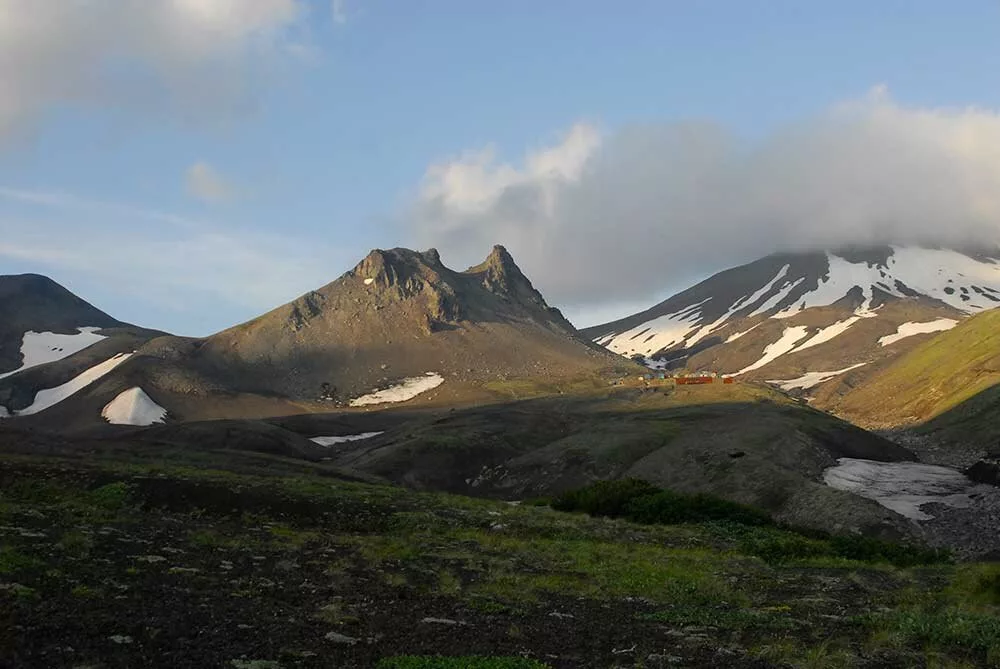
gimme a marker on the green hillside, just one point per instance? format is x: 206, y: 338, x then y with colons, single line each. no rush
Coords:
x: 939, y: 377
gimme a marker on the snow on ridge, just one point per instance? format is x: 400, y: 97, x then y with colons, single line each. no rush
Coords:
x: 785, y: 344
x: 941, y: 274
x: 828, y: 333
x: 330, y: 441
x: 736, y: 335
x: 52, y: 396
x: 657, y: 334
x: 133, y: 407
x: 778, y: 297
x: 39, y: 348
x: 408, y: 389
x: 743, y: 303
x: 911, y: 328
x: 811, y: 379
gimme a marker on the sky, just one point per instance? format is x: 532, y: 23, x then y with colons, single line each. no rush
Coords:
x: 189, y: 164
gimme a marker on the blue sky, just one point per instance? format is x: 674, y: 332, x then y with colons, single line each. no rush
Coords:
x: 189, y: 188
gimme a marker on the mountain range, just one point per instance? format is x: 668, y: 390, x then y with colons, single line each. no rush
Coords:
x: 405, y: 370
x: 399, y: 323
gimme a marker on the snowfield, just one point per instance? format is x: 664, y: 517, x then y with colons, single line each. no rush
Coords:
x: 53, y: 396
x: 406, y: 390
x: 909, y: 329
x: 133, y: 407
x: 784, y: 345
x: 330, y: 441
x: 902, y: 487
x: 39, y: 348
x: 810, y: 379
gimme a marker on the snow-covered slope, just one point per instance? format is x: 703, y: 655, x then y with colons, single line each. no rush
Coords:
x: 789, y: 315
x: 785, y: 286
x: 133, y: 407
x: 39, y: 348
x: 52, y: 396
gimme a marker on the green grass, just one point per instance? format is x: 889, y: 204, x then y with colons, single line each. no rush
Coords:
x: 769, y: 590
x: 472, y: 662
x: 757, y: 534
x: 13, y: 561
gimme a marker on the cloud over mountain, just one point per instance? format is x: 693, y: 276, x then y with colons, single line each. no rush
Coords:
x: 187, y: 58
x: 599, y: 218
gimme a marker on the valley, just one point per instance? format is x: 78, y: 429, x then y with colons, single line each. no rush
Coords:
x: 382, y: 459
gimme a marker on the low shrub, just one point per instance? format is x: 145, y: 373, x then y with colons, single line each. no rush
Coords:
x: 604, y: 498
x: 111, y: 497
x: 869, y: 549
x: 671, y: 508
x: 415, y: 662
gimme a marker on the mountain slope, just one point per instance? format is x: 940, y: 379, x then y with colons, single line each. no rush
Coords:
x: 797, y: 318
x: 35, y: 303
x: 49, y: 336
x: 387, y: 324
x: 947, y: 384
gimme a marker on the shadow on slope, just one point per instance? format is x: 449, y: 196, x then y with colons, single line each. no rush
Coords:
x: 753, y: 450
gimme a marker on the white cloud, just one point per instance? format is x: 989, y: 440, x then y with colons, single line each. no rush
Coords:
x: 204, y: 182
x: 189, y: 58
x: 599, y: 219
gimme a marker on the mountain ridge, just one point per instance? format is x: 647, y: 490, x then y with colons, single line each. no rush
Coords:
x: 786, y: 316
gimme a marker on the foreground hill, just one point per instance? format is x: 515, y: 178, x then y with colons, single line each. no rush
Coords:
x: 801, y: 320
x: 945, y: 386
x: 398, y: 326
x: 140, y: 561
x: 746, y: 443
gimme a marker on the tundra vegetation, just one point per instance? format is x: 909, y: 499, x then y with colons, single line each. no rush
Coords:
x: 259, y: 561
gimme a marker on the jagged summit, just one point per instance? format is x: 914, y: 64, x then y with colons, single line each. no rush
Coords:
x: 397, y: 314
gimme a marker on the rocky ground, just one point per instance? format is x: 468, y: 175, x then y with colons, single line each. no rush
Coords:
x: 122, y: 564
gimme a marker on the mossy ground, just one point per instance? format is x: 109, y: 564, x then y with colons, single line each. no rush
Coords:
x: 111, y: 565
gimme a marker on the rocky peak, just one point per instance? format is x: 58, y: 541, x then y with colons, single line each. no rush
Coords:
x: 500, y: 275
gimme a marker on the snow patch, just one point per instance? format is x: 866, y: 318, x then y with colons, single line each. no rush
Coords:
x: 369, y: 281
x: 39, y: 348
x: 810, y: 379
x: 828, y: 333
x: 733, y: 337
x: 909, y: 329
x: 48, y: 398
x: 742, y: 303
x: 784, y: 345
x: 938, y: 273
x: 657, y: 334
x: 133, y: 407
x: 330, y: 441
x: 902, y: 487
x: 401, y: 392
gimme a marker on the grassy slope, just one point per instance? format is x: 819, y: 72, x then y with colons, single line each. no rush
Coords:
x: 119, y: 564
x: 934, y: 378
